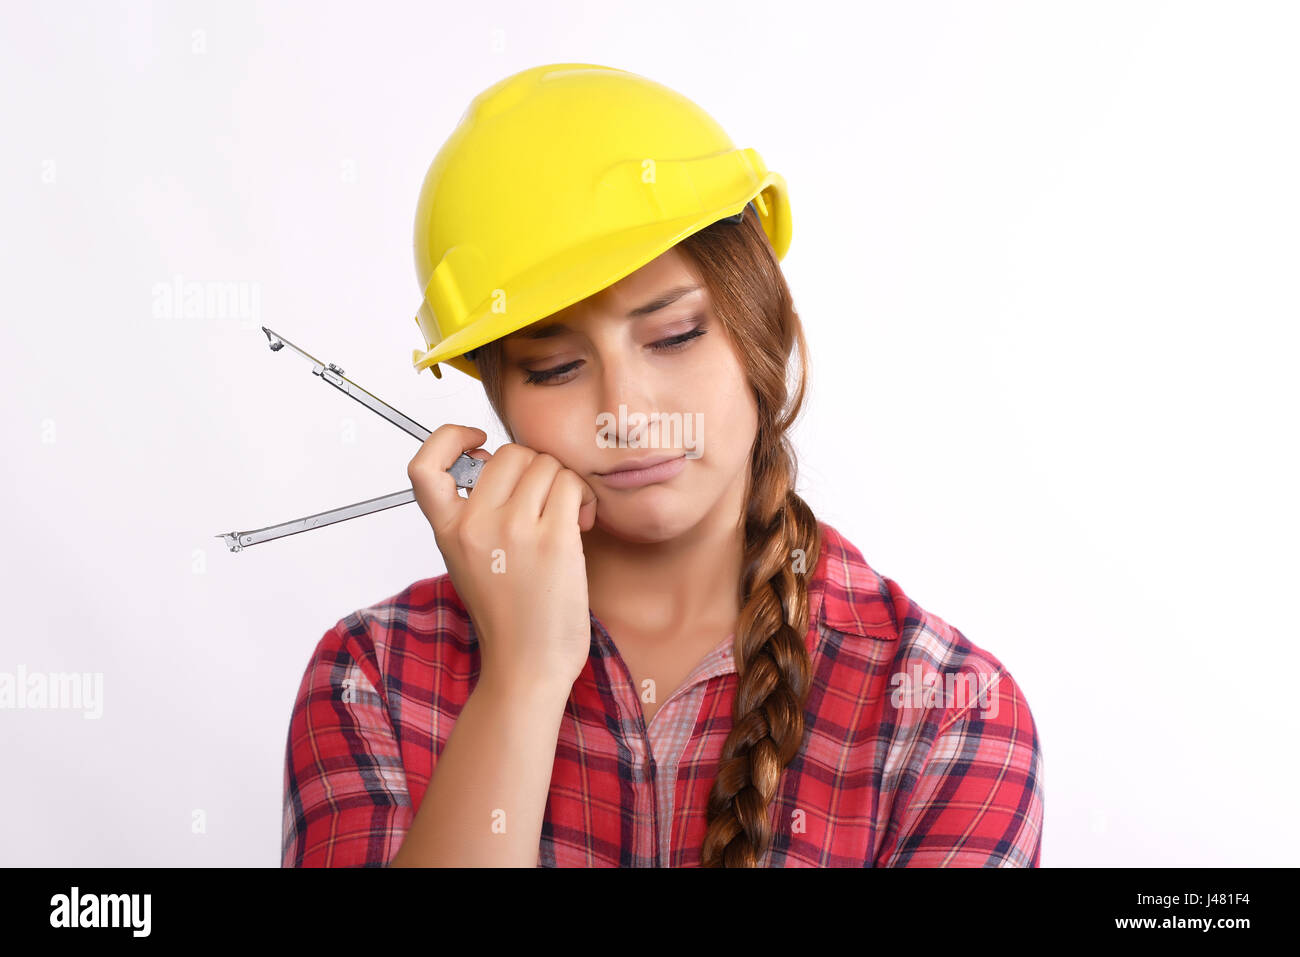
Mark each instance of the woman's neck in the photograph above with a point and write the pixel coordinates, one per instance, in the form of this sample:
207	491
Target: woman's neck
689	583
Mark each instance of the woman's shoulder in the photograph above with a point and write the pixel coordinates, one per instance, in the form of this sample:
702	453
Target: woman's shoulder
428	610
870	614
425	625
925	695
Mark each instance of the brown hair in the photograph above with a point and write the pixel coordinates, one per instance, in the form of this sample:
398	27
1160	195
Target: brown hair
782	538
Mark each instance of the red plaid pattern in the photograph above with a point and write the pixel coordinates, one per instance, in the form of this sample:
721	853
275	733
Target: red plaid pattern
897	768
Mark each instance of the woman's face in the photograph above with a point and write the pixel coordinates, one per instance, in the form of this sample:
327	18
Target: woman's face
611	379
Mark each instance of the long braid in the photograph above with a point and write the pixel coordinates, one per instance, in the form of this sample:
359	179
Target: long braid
782	539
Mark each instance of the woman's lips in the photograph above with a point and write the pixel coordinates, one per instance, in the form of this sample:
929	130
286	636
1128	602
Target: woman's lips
635	478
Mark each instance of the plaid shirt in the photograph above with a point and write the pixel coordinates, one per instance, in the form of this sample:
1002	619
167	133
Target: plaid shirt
919	748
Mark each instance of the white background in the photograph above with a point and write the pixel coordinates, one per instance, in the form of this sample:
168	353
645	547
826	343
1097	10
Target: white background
1046	255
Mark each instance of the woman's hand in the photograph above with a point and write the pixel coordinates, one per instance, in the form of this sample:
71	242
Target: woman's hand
513	549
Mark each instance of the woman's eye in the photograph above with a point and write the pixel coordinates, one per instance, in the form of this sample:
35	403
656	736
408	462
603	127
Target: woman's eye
546	375
677	342
672	344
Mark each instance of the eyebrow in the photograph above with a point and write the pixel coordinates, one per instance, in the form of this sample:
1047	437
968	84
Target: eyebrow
663	300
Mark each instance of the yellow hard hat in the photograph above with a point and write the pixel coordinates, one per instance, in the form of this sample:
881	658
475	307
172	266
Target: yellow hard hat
557	182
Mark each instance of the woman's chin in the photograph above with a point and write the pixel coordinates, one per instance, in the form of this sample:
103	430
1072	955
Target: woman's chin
644	522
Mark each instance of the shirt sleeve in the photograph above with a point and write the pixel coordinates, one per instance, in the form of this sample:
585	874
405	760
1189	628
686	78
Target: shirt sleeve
345	796
978	798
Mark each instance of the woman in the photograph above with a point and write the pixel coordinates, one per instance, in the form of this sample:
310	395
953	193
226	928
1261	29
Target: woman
661	666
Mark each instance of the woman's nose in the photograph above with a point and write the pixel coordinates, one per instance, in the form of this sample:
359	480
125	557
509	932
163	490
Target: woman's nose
627	397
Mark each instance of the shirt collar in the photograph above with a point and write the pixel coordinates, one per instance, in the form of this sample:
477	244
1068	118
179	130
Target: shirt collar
848	595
